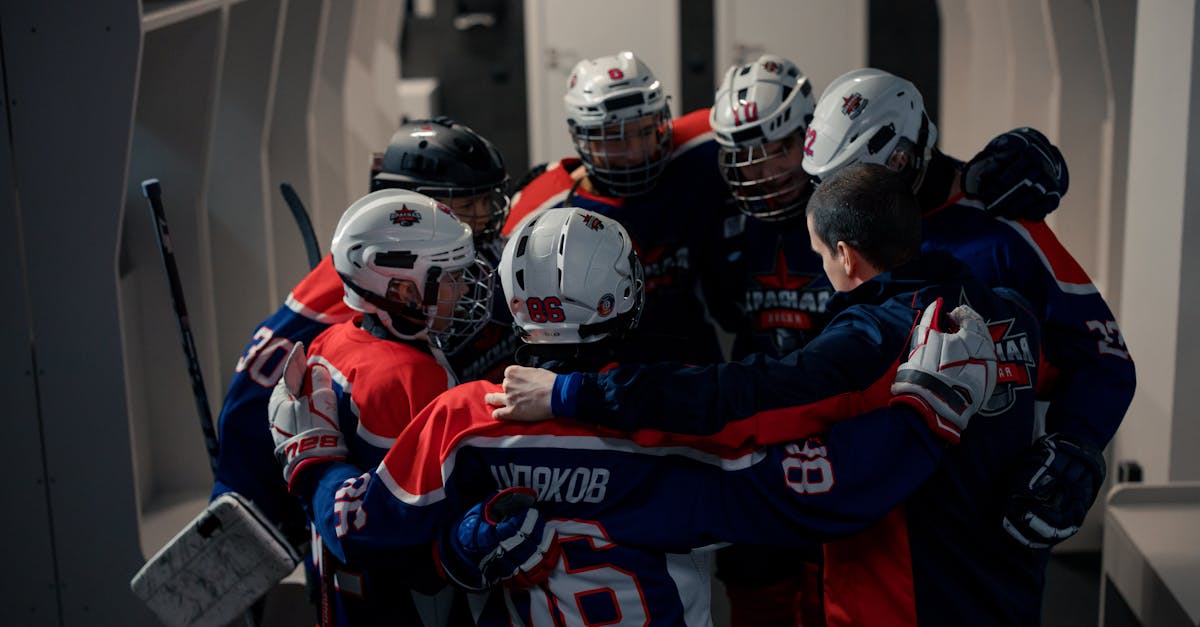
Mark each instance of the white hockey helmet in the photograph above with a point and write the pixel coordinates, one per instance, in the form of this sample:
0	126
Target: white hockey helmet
871	116
759	117
618	117
405	258
571	276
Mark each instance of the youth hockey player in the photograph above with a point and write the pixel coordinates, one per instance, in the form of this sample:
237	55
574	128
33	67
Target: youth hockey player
641	167
573	282
409	267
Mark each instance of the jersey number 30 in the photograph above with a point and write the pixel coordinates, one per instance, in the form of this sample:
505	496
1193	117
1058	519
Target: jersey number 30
263	348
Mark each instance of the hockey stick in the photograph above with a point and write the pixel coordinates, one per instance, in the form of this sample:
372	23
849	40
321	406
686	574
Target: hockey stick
153	193
306	228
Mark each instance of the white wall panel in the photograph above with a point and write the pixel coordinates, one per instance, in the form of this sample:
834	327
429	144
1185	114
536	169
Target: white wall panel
560	33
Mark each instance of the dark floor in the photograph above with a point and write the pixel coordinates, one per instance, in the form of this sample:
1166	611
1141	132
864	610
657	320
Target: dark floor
1072	596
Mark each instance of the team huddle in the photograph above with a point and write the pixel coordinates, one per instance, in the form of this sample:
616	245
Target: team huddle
517	410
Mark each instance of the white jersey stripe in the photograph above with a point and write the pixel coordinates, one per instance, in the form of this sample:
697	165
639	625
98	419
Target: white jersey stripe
571	442
311	314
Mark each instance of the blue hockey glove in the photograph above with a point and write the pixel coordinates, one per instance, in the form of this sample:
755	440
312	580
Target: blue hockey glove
1019	174
1052	489
502	540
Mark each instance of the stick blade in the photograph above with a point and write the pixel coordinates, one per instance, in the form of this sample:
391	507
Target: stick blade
151	188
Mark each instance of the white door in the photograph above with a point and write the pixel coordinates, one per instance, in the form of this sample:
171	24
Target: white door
560	33
825	38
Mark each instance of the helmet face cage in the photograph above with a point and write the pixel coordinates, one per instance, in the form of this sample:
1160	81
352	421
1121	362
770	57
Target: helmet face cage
628	156
768	180
572	277
465	295
620	123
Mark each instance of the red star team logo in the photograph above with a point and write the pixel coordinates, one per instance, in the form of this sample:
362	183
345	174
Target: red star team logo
405	216
1014	366
779	278
853	105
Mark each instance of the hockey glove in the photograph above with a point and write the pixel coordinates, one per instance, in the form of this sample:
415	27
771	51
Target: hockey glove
1019	174
950	372
304	421
1052	489
503	540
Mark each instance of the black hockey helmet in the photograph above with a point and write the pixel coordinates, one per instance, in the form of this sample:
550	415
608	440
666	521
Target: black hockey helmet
448	161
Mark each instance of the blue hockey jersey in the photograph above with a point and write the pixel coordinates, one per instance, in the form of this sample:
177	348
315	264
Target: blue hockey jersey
776	283
247	463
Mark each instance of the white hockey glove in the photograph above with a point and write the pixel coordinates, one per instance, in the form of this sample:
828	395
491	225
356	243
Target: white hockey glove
304	421
951	370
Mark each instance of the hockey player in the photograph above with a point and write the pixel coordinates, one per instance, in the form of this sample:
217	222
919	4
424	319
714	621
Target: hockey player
872	116
440	158
941	559
574	285
409	267
774	283
638	165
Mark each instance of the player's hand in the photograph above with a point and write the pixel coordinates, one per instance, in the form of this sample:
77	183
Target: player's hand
526	396
503	540
951	369
1019	174
304	418
1052	489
